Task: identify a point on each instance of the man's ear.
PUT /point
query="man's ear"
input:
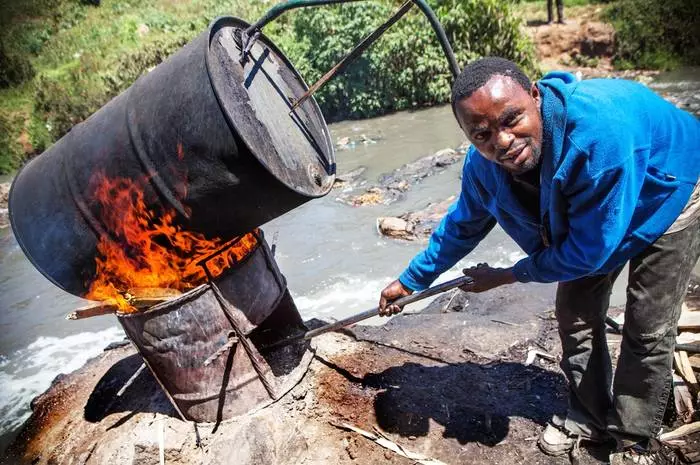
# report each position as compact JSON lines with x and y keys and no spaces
{"x":535,"y":94}
{"x":457,"y":117}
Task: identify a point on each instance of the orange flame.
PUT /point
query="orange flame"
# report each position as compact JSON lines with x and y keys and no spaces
{"x":149,"y":250}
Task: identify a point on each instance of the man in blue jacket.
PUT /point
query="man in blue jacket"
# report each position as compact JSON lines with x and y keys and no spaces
{"x":585,"y":176}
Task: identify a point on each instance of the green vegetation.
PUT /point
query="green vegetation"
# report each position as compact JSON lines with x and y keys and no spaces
{"x":61,"y":60}
{"x":654,"y":34}
{"x":66,"y":59}
{"x":407,"y":67}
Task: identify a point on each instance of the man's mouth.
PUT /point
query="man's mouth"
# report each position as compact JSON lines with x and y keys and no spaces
{"x":515,"y":156}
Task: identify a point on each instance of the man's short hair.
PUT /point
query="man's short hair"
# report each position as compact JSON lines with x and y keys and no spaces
{"x":478,"y":73}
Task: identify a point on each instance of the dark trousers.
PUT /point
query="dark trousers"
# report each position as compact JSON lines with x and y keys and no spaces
{"x":631,"y":406}
{"x":560,"y":11}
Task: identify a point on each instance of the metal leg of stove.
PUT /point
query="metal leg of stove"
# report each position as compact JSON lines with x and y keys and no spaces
{"x":258,"y":362}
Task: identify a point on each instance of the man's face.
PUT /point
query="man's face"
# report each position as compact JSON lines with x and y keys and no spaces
{"x":503,"y":122}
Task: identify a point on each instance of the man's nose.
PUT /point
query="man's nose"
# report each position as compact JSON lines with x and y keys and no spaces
{"x":503,"y":140}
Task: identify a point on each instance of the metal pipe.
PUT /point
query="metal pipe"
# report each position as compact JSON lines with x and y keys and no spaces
{"x":409,"y":299}
{"x":250,"y":350}
{"x":249,"y":34}
{"x":277,"y":10}
{"x":354,"y":53}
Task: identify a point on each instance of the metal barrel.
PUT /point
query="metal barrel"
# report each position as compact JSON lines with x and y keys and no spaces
{"x":184,"y":342}
{"x":203,"y":134}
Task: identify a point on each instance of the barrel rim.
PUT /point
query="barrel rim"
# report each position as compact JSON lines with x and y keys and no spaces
{"x":223,"y":21}
{"x":18,"y":236}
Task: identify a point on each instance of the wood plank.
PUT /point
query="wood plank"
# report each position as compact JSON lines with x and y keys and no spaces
{"x":694,"y":361}
{"x":689,"y":320}
{"x":681,"y":431}
{"x":682,"y":398}
{"x":688,"y":337}
{"x":684,"y":369}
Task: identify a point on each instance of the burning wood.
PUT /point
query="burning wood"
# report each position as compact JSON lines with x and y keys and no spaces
{"x":139,"y":298}
{"x":148,"y":249}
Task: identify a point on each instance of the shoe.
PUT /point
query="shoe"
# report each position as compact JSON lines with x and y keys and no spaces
{"x":658,"y":454}
{"x":556,"y":441}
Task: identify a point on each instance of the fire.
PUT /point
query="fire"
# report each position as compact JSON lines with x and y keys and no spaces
{"x":145,"y":249}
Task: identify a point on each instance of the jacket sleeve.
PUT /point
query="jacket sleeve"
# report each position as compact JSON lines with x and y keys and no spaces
{"x":466,"y":223}
{"x":599,"y":215}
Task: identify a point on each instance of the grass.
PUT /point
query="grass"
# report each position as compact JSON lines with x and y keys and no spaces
{"x":74,"y":46}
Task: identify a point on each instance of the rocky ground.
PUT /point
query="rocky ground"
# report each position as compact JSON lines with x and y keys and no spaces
{"x":450,"y":385}
{"x":470,"y":379}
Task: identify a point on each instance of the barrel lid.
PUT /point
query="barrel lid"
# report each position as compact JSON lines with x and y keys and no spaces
{"x":256,"y":97}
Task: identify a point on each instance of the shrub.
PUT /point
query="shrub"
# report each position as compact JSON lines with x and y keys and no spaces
{"x":406,"y":67}
{"x":654,"y":34}
{"x":15,"y":68}
{"x":131,"y":66}
{"x":68,"y":96}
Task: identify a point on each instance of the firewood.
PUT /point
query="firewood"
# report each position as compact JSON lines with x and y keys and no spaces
{"x":107,"y":307}
{"x":689,"y":320}
{"x":688,"y":337}
{"x":138,"y":297}
{"x":681,"y":431}
{"x":694,"y":361}
{"x":682,"y":398}
{"x":144,"y":297}
{"x":684,"y":369}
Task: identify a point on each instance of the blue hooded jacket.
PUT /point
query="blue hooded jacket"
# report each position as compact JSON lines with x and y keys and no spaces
{"x":618,"y":165}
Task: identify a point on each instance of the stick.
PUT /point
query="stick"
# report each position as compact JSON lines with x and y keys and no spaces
{"x":682,"y":398}
{"x":139,"y":297}
{"x":161,"y":441}
{"x":681,"y":431}
{"x":131,"y":380}
{"x":686,"y":370}
{"x":392,"y":446}
{"x":96,"y":309}
{"x":617,"y":327}
{"x":533,"y":353}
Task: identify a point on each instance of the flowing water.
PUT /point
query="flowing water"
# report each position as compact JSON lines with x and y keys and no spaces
{"x":334,"y":260}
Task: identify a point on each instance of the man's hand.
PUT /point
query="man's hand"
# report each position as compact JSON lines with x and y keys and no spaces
{"x":390,"y":293}
{"x":486,"y":278}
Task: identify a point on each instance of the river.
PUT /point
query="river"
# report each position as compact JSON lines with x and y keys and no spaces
{"x":334,"y":260}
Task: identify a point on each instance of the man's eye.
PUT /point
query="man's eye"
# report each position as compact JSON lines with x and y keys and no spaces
{"x":512,"y":121}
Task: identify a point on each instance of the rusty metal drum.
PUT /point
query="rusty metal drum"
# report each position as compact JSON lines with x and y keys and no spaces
{"x":184,"y":342}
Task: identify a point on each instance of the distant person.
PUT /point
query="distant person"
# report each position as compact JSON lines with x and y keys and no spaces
{"x":585,"y":176}
{"x":560,"y":11}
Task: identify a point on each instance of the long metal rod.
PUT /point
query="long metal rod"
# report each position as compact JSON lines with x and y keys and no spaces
{"x":354,"y":53}
{"x":409,"y":299}
{"x":250,"y":350}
